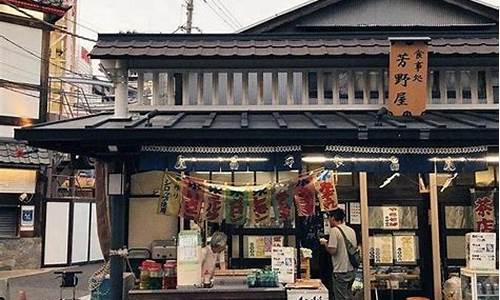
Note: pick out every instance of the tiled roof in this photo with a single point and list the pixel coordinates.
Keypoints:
(242, 46)
(211, 126)
(20, 153)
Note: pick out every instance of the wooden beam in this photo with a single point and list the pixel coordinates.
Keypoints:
(366, 87)
(244, 120)
(489, 86)
(209, 121)
(350, 87)
(365, 236)
(480, 116)
(458, 120)
(436, 252)
(431, 122)
(172, 121)
(289, 88)
(350, 120)
(473, 87)
(279, 119)
(380, 87)
(315, 120)
(145, 118)
(389, 121)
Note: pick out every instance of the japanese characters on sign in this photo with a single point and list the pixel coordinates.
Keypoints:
(408, 77)
(283, 202)
(391, 217)
(169, 203)
(192, 199)
(327, 193)
(305, 196)
(236, 206)
(261, 205)
(214, 203)
(484, 214)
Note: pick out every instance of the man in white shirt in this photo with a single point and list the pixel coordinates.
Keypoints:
(343, 271)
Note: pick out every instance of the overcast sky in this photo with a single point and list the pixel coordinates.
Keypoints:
(166, 15)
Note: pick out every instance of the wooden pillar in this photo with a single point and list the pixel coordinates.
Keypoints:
(170, 88)
(473, 87)
(121, 90)
(320, 82)
(380, 87)
(230, 88)
(156, 89)
(185, 88)
(289, 88)
(489, 86)
(215, 88)
(118, 207)
(365, 236)
(350, 87)
(305, 88)
(275, 88)
(199, 95)
(140, 88)
(244, 87)
(436, 253)
(260, 88)
(335, 87)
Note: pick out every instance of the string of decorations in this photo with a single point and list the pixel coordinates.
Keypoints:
(199, 199)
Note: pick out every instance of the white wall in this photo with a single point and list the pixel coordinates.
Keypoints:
(80, 243)
(19, 66)
(56, 233)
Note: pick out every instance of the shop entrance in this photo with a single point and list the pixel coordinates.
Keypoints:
(400, 237)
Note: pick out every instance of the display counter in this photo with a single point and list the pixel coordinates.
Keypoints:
(225, 287)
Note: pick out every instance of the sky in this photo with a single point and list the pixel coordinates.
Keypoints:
(165, 16)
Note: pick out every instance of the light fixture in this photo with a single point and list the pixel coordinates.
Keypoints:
(116, 184)
(489, 159)
(315, 159)
(388, 180)
(113, 148)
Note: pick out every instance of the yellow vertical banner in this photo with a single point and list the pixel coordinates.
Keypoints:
(408, 69)
(169, 201)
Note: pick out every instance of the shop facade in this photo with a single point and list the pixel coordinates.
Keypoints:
(297, 96)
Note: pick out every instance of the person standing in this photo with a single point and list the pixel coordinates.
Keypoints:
(343, 271)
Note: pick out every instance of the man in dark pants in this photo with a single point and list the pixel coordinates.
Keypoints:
(343, 272)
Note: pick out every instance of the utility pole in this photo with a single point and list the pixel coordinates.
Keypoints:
(189, 15)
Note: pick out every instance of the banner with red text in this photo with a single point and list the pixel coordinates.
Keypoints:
(192, 199)
(305, 196)
(326, 191)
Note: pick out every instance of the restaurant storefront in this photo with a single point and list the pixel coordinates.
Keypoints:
(259, 134)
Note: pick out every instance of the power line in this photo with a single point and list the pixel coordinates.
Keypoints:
(55, 27)
(40, 58)
(220, 16)
(83, 26)
(227, 12)
(19, 92)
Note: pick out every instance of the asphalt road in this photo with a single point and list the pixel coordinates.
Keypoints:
(45, 286)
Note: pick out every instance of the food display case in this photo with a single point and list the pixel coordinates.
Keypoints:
(479, 284)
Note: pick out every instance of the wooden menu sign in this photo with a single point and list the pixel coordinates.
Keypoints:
(408, 76)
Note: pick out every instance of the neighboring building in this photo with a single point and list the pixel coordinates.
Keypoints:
(24, 74)
(299, 91)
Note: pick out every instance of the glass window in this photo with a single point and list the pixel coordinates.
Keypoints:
(481, 85)
(8, 224)
(343, 85)
(373, 82)
(435, 88)
(466, 80)
(386, 86)
(451, 86)
(359, 82)
(407, 217)
(458, 217)
(494, 83)
(313, 85)
(455, 247)
(327, 76)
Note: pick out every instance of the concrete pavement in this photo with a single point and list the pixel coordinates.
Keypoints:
(43, 285)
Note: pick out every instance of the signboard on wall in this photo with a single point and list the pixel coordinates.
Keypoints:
(408, 65)
(17, 181)
(27, 218)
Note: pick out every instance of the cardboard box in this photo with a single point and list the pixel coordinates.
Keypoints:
(480, 250)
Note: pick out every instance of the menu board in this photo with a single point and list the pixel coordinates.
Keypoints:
(390, 215)
(188, 246)
(261, 246)
(405, 249)
(354, 213)
(283, 262)
(382, 249)
(481, 250)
